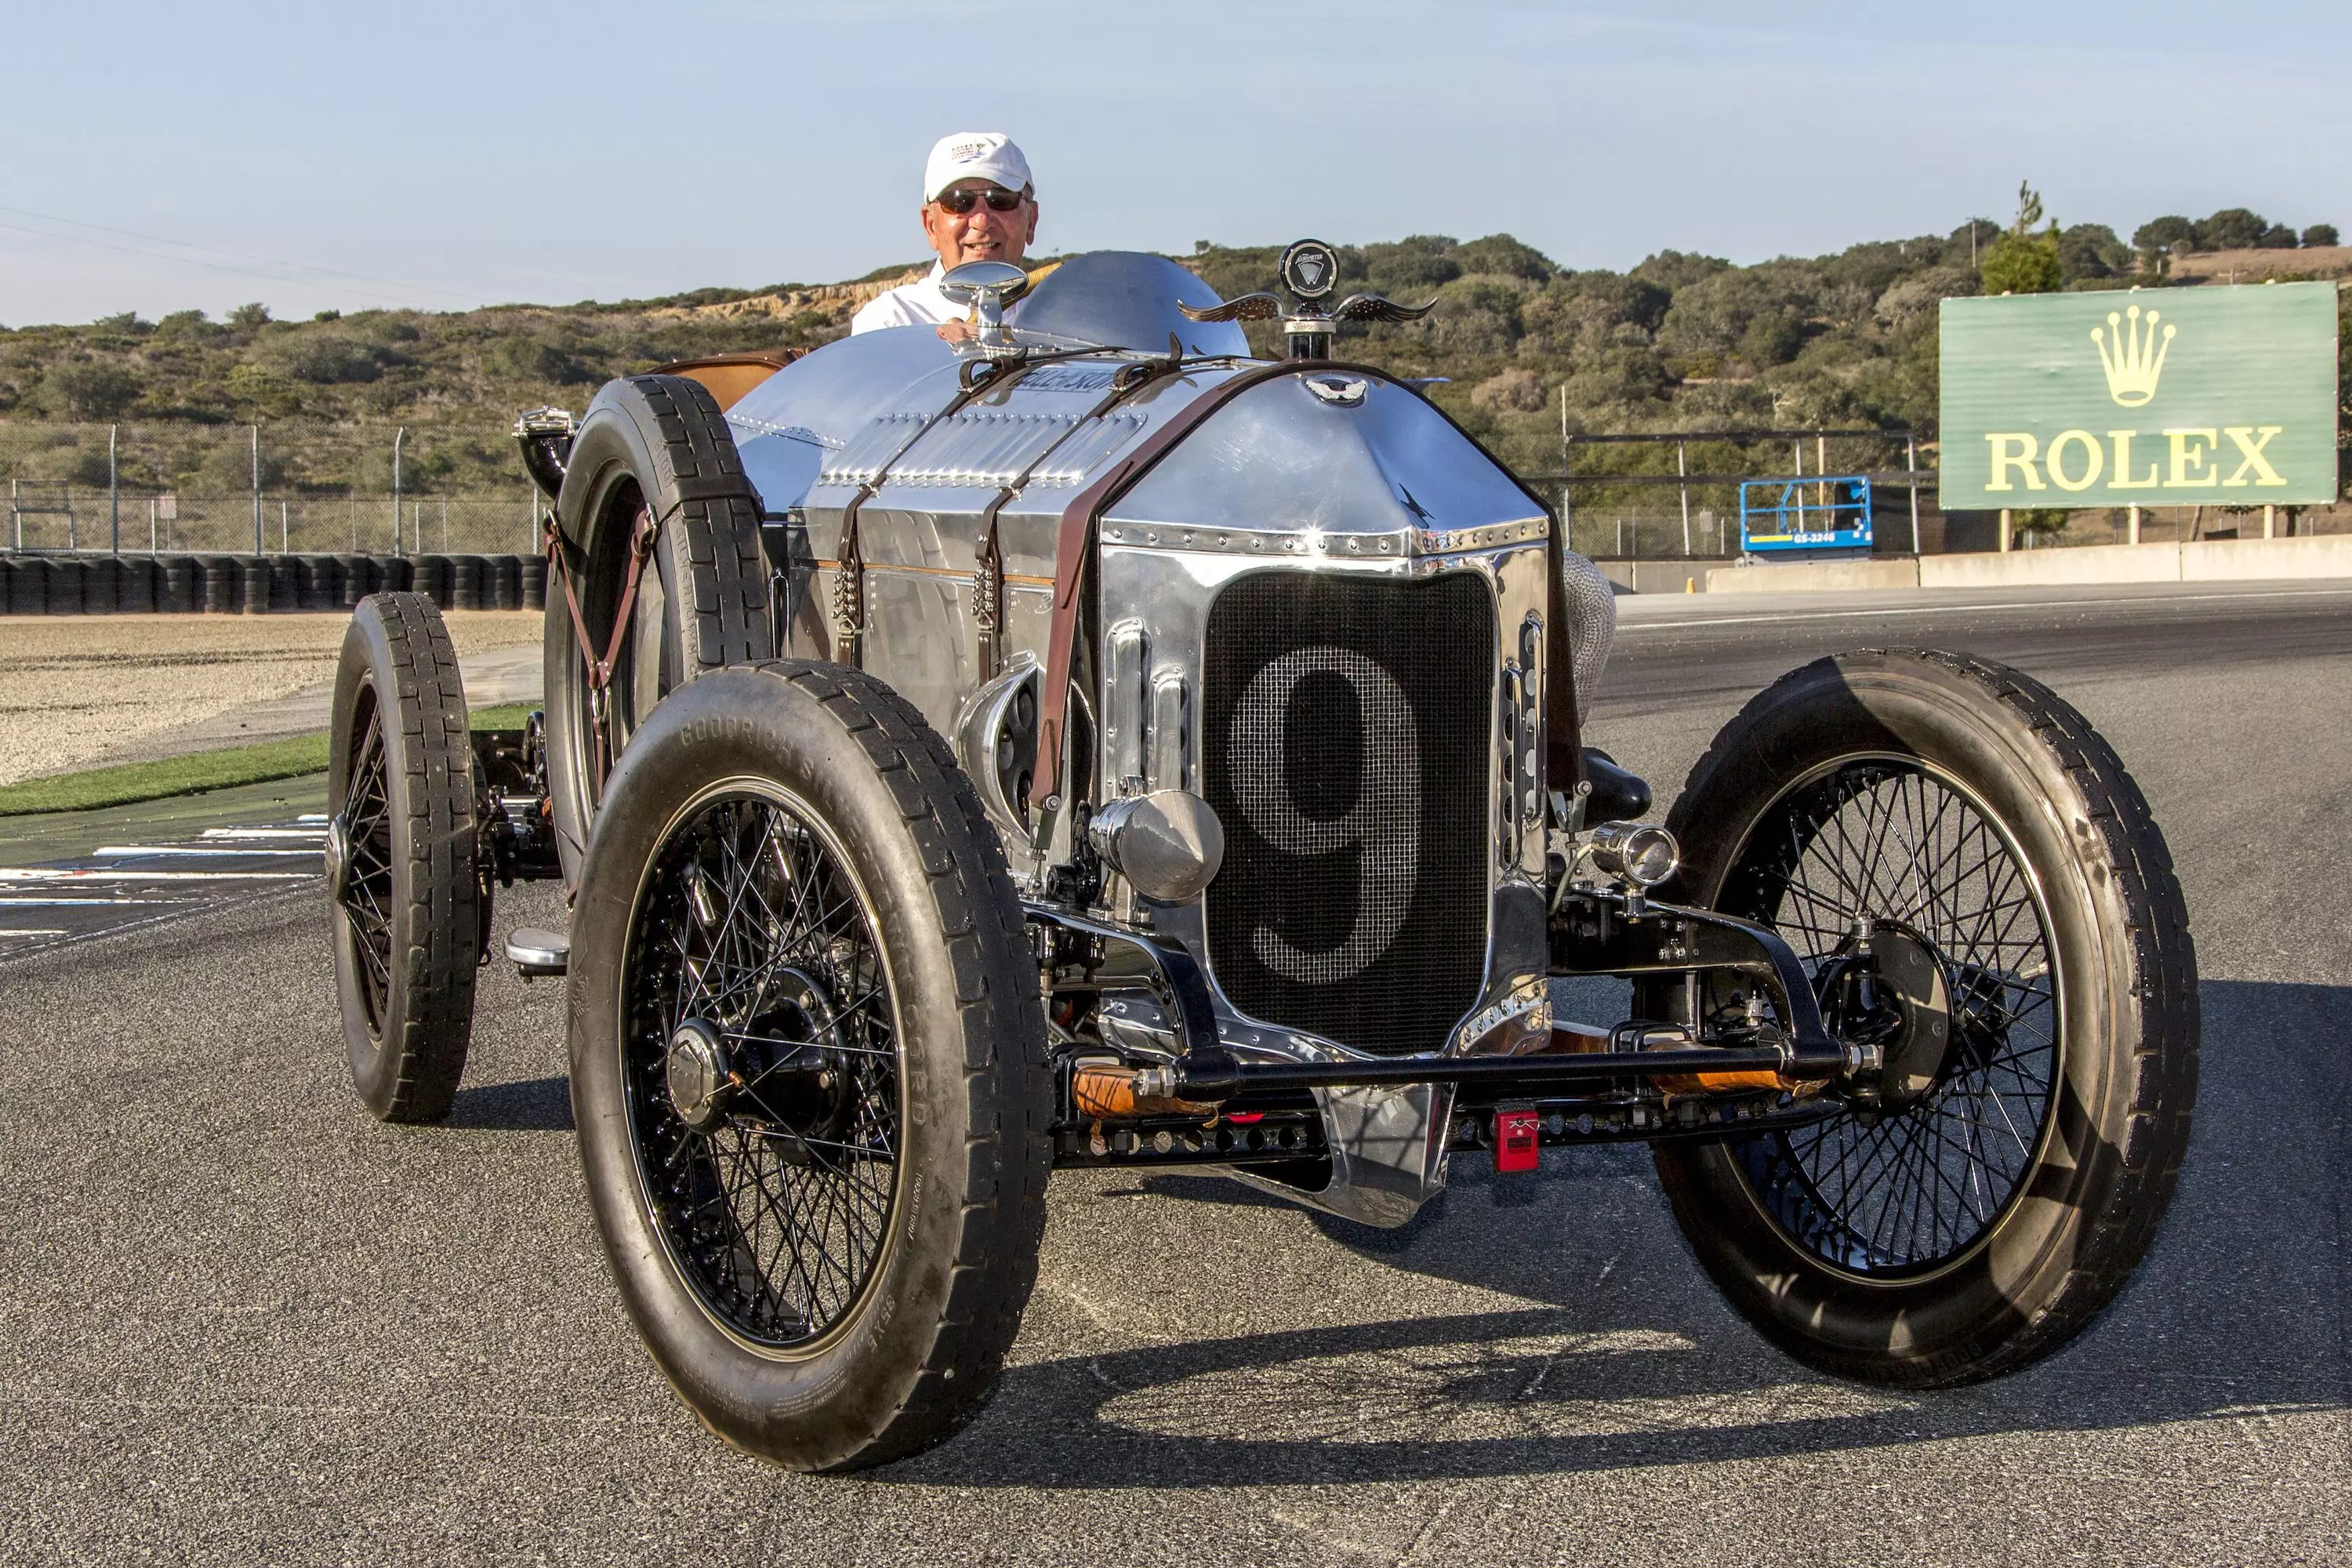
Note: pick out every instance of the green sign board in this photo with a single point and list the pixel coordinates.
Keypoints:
(2205, 396)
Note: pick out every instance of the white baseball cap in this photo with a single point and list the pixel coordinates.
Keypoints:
(974, 155)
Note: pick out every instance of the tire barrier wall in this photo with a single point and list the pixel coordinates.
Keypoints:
(261, 584)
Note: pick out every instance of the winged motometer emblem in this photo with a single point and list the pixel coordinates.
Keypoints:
(1308, 268)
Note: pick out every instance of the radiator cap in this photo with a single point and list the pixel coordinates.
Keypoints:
(1168, 843)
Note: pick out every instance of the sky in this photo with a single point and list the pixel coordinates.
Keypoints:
(161, 157)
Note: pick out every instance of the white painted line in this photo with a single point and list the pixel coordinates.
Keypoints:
(313, 816)
(143, 851)
(6, 932)
(78, 903)
(45, 874)
(264, 832)
(1674, 623)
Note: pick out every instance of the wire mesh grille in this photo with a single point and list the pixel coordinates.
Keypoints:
(1347, 736)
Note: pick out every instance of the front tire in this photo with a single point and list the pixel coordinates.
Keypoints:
(1956, 828)
(808, 1065)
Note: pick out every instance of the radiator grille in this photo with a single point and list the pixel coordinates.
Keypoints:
(1346, 740)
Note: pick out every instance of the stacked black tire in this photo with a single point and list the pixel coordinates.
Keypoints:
(38, 585)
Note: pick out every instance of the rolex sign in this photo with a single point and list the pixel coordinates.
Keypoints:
(2202, 396)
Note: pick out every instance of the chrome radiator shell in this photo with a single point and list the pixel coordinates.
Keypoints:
(1324, 471)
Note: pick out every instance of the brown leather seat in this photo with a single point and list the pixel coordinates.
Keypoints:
(729, 376)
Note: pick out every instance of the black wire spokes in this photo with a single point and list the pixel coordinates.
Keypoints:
(367, 893)
(778, 1212)
(1898, 1192)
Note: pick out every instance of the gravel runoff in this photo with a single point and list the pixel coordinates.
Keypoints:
(81, 691)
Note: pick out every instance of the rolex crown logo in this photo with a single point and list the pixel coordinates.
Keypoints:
(2132, 369)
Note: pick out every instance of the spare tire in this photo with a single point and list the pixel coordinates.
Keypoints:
(653, 448)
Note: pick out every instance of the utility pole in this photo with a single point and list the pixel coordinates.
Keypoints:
(113, 492)
(397, 437)
(256, 490)
(1682, 471)
(1911, 465)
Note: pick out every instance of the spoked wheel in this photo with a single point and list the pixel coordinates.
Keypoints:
(410, 903)
(359, 862)
(1978, 892)
(808, 1065)
(763, 1066)
(1927, 938)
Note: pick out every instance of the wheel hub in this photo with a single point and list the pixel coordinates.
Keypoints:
(1911, 978)
(803, 1083)
(1891, 992)
(338, 853)
(701, 1079)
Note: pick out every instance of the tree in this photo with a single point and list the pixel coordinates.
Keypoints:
(93, 390)
(2232, 228)
(1501, 253)
(1672, 269)
(2278, 237)
(2320, 234)
(2021, 261)
(246, 317)
(2047, 522)
(2092, 250)
(2159, 235)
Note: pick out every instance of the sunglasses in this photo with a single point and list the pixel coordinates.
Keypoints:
(964, 199)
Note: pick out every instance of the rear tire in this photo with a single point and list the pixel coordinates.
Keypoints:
(1982, 1215)
(829, 1260)
(410, 907)
(652, 446)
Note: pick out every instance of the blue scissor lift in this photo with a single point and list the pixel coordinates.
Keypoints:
(1816, 517)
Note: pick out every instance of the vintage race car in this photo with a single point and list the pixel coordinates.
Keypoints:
(1088, 745)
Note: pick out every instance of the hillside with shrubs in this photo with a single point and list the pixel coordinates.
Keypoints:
(1681, 341)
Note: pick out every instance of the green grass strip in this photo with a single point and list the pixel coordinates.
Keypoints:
(129, 783)
(508, 717)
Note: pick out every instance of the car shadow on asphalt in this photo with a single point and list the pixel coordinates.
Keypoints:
(2236, 1313)
(536, 1105)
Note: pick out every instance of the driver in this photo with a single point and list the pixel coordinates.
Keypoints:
(978, 206)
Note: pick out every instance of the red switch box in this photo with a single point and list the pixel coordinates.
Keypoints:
(1515, 1141)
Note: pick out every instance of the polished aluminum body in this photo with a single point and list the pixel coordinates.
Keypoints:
(1321, 473)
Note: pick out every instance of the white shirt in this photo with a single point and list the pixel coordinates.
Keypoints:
(916, 304)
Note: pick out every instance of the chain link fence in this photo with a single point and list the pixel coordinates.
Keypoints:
(267, 488)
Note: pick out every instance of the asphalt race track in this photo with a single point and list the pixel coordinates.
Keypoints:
(239, 1321)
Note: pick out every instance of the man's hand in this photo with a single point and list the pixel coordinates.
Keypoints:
(958, 332)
